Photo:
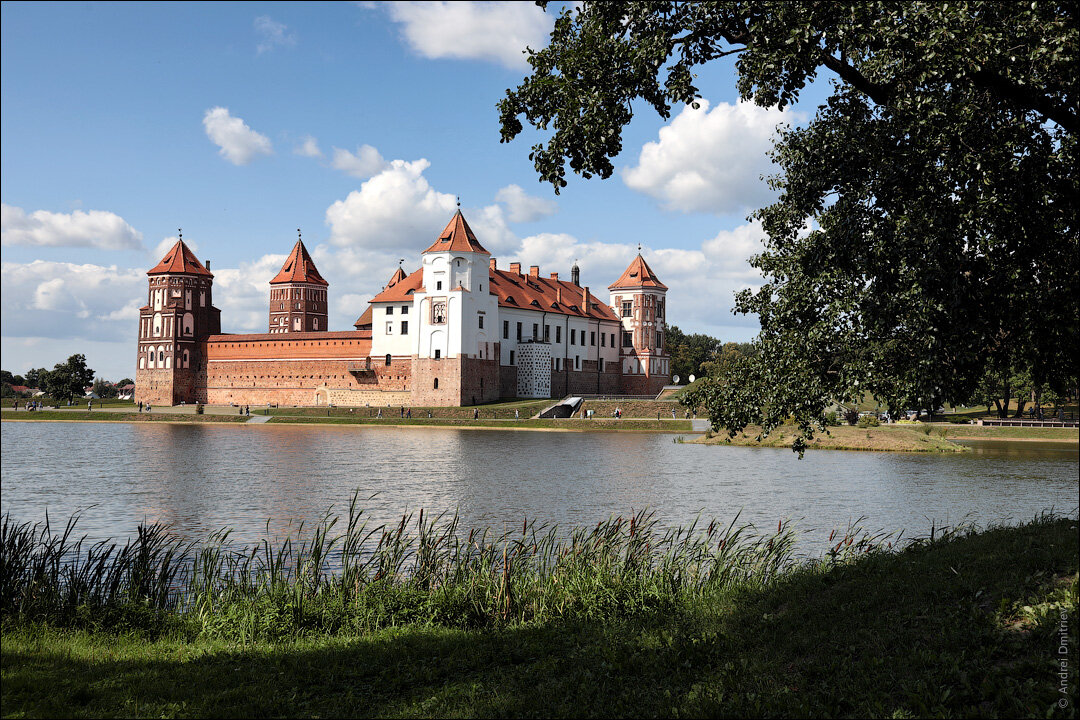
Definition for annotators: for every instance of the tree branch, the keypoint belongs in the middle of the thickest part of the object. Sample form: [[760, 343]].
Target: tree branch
[[881, 94], [1026, 97]]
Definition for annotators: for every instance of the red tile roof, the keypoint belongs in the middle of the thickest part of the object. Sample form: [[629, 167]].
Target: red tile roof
[[365, 320], [457, 236], [400, 287], [532, 292], [299, 268], [179, 261], [638, 274]]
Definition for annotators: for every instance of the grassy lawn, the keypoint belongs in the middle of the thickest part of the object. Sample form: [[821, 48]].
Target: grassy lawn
[[886, 438], [501, 409], [967, 626], [572, 424], [93, 416], [1013, 433]]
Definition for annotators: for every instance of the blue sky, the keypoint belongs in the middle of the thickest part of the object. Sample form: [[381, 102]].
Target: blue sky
[[358, 123]]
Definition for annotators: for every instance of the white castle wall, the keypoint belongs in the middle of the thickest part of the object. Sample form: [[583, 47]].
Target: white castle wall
[[534, 370]]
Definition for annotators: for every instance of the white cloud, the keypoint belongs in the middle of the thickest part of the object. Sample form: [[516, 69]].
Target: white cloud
[[239, 143], [524, 207], [243, 293], [166, 244], [710, 161], [271, 34], [67, 300], [309, 147], [97, 229], [366, 162], [396, 210], [492, 31]]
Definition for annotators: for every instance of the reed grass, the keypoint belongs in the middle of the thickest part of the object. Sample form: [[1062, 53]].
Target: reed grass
[[356, 579]]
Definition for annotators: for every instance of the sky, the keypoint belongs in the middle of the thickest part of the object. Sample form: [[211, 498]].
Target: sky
[[360, 124]]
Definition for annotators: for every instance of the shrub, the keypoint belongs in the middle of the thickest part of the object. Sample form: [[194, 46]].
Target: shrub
[[869, 421]]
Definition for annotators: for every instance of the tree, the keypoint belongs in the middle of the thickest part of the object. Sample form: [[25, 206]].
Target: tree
[[939, 177], [35, 377], [104, 389], [69, 379], [689, 352]]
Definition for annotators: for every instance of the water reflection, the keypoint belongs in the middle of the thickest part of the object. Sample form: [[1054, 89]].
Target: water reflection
[[200, 478]]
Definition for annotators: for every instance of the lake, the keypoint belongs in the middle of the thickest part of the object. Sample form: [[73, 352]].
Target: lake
[[201, 478]]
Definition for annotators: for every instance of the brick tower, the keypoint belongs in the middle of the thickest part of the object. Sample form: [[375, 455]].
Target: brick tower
[[298, 295], [178, 316], [638, 297]]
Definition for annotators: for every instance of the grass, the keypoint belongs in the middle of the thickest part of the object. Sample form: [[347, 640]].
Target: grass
[[502, 409], [885, 438], [549, 424], [94, 416], [963, 622], [1014, 433]]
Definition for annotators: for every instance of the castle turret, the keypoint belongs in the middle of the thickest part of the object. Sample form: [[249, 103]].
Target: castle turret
[[638, 298], [178, 316], [298, 295]]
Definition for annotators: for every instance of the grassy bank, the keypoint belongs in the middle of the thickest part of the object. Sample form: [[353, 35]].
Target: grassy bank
[[978, 432], [964, 624], [885, 438], [570, 424], [95, 416]]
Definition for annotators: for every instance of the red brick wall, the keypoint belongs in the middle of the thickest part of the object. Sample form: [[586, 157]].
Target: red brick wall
[[480, 380], [424, 373], [508, 381]]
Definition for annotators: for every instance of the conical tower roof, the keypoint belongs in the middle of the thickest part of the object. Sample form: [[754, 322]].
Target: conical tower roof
[[637, 275], [396, 277], [179, 261], [299, 268], [457, 236]]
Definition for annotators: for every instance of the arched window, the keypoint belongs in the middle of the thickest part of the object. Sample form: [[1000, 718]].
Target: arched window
[[388, 359], [436, 383]]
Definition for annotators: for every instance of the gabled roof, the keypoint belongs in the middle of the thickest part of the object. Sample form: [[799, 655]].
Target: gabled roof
[[299, 268], [638, 274], [457, 236], [400, 287], [364, 321], [179, 261], [531, 292]]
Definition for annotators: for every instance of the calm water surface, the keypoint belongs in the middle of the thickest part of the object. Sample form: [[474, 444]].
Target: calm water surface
[[200, 478]]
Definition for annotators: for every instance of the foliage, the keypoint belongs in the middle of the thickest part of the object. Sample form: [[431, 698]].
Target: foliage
[[939, 182], [690, 353], [68, 380], [104, 389], [955, 621]]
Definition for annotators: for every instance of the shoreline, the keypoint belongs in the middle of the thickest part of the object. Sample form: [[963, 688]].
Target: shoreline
[[885, 438]]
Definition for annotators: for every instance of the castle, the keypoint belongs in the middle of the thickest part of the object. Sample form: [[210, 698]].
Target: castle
[[458, 331]]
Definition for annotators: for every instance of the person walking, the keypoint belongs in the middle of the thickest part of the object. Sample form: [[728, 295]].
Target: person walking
[[475, 414], [89, 405]]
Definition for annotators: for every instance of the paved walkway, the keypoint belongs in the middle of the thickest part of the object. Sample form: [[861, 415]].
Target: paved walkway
[[699, 425], [259, 418]]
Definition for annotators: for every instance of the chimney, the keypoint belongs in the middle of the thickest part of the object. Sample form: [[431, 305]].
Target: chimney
[[534, 271], [515, 268], [585, 299], [491, 264], [554, 276], [558, 294], [207, 264]]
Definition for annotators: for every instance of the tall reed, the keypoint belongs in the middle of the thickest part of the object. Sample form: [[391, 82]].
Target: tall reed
[[422, 568]]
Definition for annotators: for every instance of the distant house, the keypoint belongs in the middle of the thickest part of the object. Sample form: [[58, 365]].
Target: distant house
[[126, 392], [21, 390]]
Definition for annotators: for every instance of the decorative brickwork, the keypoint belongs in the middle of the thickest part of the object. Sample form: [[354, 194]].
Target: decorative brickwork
[[534, 370]]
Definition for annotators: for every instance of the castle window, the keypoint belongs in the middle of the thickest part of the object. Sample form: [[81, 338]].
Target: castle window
[[602, 338], [577, 362], [438, 354], [627, 339], [547, 333], [612, 339], [573, 336], [436, 383], [659, 340], [388, 358], [404, 309], [438, 284], [627, 308], [536, 331], [511, 357], [506, 333], [480, 322], [404, 327], [592, 338], [389, 328], [558, 334], [390, 310], [601, 362], [519, 332]]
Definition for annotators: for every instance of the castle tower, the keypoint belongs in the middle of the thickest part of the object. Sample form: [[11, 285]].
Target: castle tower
[[457, 348], [298, 295], [179, 314], [638, 298]]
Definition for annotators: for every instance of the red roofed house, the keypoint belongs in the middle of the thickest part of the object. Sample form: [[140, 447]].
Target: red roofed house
[[458, 331]]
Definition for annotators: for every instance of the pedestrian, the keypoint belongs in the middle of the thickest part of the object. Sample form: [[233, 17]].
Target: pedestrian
[[517, 415], [475, 414], [147, 407], [379, 415], [15, 405], [672, 413], [89, 405], [408, 413], [140, 406]]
